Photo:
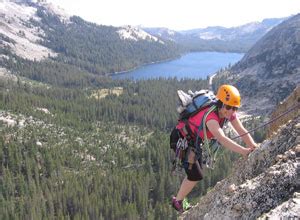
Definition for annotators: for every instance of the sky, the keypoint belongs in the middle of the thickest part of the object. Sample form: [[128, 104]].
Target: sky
[[178, 14]]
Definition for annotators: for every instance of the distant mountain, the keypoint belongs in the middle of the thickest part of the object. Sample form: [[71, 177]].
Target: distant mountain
[[271, 69], [251, 30], [36, 33], [164, 33], [235, 39]]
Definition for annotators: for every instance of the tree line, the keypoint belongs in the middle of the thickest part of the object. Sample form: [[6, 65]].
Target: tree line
[[99, 49], [93, 158]]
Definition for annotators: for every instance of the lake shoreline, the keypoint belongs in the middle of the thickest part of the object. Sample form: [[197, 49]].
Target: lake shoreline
[[195, 65], [146, 64]]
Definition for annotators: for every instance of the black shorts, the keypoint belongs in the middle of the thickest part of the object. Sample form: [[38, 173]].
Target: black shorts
[[192, 174]]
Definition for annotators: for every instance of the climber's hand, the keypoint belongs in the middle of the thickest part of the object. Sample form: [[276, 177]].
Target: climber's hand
[[246, 152], [253, 146]]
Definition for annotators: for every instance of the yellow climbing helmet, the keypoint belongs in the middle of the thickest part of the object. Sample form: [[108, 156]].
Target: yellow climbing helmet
[[229, 95]]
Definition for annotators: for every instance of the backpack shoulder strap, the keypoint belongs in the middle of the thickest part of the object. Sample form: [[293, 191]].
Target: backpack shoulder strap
[[202, 126]]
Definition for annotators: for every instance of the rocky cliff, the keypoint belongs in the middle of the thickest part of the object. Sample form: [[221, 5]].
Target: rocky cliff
[[270, 71], [266, 185], [292, 101]]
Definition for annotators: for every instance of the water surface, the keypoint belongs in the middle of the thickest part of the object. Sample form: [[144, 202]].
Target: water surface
[[196, 65]]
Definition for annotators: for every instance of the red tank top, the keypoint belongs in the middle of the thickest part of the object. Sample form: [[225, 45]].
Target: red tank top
[[195, 121]]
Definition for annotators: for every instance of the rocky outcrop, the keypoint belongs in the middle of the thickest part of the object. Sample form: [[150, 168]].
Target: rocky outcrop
[[286, 210], [265, 185], [292, 101], [19, 34], [270, 70]]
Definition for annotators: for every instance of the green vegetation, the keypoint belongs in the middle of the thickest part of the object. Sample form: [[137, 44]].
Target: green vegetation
[[99, 49], [92, 158], [87, 53]]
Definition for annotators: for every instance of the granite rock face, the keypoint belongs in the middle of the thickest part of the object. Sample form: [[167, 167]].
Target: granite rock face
[[270, 70], [265, 185], [287, 210], [271, 67]]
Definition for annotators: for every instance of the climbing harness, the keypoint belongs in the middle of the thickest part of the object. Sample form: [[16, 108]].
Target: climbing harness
[[196, 152]]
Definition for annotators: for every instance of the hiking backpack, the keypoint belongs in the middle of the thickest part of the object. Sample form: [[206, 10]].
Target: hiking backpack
[[193, 102], [190, 104]]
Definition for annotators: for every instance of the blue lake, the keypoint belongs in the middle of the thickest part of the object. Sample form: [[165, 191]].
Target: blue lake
[[196, 65]]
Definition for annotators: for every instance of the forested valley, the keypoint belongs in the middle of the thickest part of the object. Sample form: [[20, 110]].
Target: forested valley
[[92, 153]]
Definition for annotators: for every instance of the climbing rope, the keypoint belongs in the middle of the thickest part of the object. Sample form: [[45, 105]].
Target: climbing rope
[[271, 121]]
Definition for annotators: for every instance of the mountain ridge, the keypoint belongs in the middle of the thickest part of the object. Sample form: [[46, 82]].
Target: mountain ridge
[[41, 34], [233, 39], [269, 72]]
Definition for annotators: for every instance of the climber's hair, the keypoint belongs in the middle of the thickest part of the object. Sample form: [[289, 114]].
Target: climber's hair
[[219, 104]]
